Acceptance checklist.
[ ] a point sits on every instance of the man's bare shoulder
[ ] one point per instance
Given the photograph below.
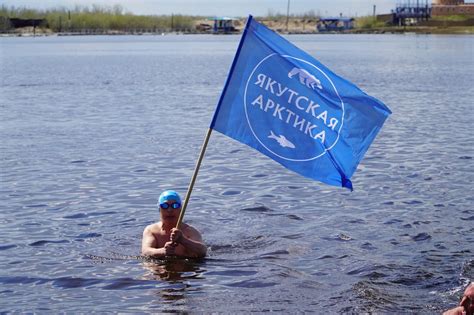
(188, 227)
(153, 228)
(190, 231)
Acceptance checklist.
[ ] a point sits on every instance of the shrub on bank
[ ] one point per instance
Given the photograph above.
(99, 18)
(368, 22)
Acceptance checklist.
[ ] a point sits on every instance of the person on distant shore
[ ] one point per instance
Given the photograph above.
(163, 239)
(466, 306)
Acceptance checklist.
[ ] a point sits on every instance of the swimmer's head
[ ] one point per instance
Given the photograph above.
(169, 195)
(166, 197)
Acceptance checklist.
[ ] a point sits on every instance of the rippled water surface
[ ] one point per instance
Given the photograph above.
(92, 129)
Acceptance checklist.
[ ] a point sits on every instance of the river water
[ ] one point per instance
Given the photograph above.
(92, 129)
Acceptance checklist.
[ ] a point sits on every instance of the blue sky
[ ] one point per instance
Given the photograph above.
(227, 7)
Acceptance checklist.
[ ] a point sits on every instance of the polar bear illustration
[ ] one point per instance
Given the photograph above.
(306, 78)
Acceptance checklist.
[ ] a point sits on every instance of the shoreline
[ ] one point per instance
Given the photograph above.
(353, 32)
(308, 30)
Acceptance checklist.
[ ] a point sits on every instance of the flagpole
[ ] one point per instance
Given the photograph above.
(209, 131)
(193, 179)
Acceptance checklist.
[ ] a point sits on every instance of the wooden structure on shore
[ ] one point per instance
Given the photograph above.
(452, 7)
(7, 24)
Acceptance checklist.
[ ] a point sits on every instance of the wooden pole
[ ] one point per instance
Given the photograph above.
(193, 179)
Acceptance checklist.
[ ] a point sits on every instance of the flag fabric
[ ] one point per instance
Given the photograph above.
(284, 103)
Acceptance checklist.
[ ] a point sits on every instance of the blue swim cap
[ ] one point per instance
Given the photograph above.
(169, 195)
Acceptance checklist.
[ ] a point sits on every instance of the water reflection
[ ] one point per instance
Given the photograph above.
(173, 269)
(176, 272)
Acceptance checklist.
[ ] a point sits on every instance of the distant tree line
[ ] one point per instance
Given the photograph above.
(97, 18)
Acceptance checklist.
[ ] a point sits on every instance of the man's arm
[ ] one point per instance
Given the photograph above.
(149, 245)
(191, 240)
(455, 311)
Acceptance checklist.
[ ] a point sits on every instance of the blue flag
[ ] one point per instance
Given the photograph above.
(284, 103)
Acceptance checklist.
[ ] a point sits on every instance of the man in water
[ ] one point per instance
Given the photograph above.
(163, 239)
(466, 306)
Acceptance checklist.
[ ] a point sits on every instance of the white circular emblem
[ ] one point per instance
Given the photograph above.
(293, 108)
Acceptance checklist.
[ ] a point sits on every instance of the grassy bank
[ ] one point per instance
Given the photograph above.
(98, 18)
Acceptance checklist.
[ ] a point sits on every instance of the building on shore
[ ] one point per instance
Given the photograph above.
(451, 7)
(224, 25)
(410, 12)
(334, 24)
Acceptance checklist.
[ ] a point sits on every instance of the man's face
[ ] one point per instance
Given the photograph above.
(170, 210)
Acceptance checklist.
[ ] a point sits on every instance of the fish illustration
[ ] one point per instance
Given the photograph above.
(282, 140)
